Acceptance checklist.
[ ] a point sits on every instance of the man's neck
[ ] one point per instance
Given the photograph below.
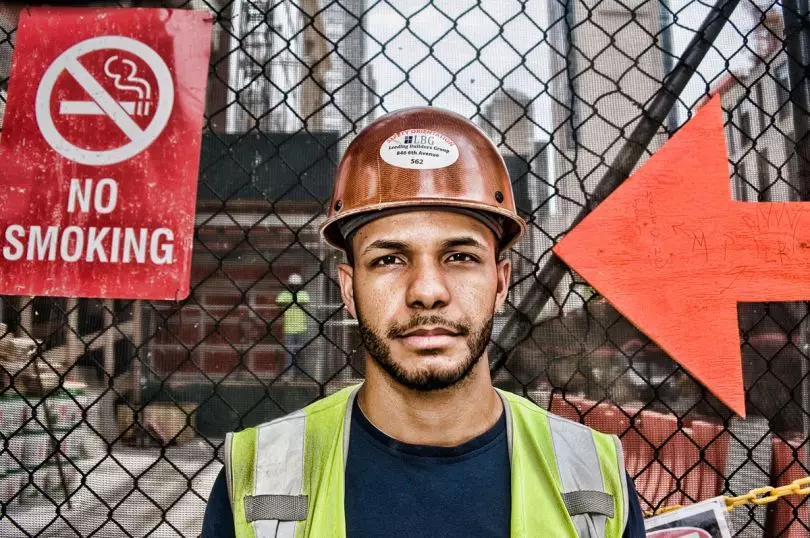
(447, 417)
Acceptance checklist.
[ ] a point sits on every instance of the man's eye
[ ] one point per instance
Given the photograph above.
(461, 257)
(385, 260)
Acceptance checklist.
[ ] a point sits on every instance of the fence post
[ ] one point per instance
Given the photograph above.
(797, 47)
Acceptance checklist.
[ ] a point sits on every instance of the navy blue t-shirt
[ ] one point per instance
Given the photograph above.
(421, 485)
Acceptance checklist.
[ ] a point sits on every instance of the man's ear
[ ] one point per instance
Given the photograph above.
(504, 272)
(345, 277)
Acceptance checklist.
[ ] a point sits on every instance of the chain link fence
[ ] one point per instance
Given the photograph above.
(113, 412)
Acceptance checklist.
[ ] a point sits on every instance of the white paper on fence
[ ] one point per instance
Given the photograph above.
(706, 519)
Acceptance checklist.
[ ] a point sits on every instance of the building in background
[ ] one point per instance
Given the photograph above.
(264, 67)
(507, 121)
(761, 121)
(558, 85)
(294, 90)
(284, 60)
(601, 79)
(761, 142)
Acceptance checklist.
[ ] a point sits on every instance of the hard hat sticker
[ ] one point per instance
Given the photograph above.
(419, 149)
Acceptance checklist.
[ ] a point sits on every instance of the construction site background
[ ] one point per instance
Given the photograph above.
(113, 412)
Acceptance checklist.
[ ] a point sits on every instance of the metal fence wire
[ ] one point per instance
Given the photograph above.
(113, 412)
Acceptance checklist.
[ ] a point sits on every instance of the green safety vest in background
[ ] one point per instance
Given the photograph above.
(286, 477)
(295, 319)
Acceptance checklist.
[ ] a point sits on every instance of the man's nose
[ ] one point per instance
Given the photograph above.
(427, 287)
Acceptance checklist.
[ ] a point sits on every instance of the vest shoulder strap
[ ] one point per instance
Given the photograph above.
(265, 468)
(580, 474)
(590, 467)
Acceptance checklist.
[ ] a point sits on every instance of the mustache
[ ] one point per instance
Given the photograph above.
(396, 330)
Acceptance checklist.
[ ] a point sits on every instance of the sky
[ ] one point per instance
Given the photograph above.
(501, 49)
(476, 44)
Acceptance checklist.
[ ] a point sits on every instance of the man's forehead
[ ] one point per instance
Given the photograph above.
(424, 229)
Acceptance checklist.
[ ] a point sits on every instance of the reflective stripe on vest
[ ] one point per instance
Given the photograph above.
(582, 488)
(267, 468)
(277, 467)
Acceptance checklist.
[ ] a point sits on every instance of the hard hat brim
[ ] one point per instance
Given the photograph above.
(513, 227)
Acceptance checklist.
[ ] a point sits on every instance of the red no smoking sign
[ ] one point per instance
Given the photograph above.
(100, 150)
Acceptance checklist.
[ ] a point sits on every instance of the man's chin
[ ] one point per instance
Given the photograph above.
(429, 377)
(429, 383)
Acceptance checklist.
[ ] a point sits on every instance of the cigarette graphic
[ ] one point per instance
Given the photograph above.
(90, 108)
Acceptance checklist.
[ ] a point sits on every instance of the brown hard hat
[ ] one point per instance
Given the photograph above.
(422, 157)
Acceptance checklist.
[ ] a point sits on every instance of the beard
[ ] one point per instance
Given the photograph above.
(376, 345)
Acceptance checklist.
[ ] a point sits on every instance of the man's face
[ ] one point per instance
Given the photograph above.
(424, 288)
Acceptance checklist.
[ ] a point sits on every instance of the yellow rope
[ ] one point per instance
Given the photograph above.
(758, 496)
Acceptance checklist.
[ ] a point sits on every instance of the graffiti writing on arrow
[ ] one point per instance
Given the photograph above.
(775, 232)
(773, 229)
(646, 217)
(698, 239)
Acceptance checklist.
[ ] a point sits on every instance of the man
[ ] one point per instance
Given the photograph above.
(426, 446)
(296, 321)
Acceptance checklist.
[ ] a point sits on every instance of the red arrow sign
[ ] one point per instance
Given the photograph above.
(675, 254)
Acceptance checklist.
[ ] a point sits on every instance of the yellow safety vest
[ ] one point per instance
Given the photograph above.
(286, 477)
(295, 319)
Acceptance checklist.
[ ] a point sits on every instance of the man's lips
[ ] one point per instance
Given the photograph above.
(429, 338)
(439, 331)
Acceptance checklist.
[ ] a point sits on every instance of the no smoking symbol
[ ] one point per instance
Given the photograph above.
(103, 102)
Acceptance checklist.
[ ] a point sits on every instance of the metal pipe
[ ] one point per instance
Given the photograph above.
(520, 324)
(797, 47)
(49, 425)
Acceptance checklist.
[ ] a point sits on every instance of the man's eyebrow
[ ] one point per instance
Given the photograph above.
(387, 244)
(390, 244)
(462, 242)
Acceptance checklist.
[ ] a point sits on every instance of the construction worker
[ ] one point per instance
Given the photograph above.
(296, 321)
(426, 446)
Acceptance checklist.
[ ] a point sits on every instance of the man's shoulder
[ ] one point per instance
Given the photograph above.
(531, 411)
